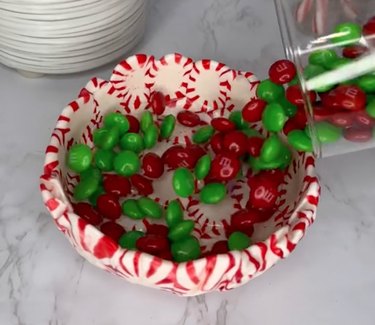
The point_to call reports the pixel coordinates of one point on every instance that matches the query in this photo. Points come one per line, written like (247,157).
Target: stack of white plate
(65,36)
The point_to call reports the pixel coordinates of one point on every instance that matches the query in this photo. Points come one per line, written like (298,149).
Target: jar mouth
(293,53)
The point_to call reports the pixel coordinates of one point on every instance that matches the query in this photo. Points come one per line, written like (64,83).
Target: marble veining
(329,279)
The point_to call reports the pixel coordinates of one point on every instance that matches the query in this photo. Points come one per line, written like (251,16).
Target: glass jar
(332,43)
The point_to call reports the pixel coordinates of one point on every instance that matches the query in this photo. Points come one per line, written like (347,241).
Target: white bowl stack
(66,36)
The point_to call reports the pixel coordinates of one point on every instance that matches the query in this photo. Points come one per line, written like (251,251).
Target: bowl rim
(291,231)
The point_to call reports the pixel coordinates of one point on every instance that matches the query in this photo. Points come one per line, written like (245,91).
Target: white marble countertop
(329,278)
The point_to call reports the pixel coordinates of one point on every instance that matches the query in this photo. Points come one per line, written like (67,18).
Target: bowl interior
(212,221)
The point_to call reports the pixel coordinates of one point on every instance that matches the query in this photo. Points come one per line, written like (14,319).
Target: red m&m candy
(254,146)
(134,125)
(243,220)
(341,119)
(282,72)
(225,166)
(87,212)
(188,118)
(351,98)
(355,134)
(263,194)
(112,229)
(253,110)
(216,142)
(152,244)
(116,184)
(220,247)
(109,206)
(177,156)
(142,184)
(235,142)
(222,124)
(152,165)
(157,103)
(294,95)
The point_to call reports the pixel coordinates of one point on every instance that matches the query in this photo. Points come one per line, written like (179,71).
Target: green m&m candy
(85,188)
(370,108)
(237,119)
(274,117)
(285,158)
(327,133)
(126,163)
(94,197)
(312,71)
(132,142)
(271,149)
(269,91)
(167,126)
(91,172)
(174,213)
(323,58)
(131,209)
(117,120)
(79,158)
(203,134)
(186,249)
(203,166)
(183,182)
(213,193)
(238,241)
(104,159)
(290,110)
(150,208)
(181,230)
(151,136)
(106,138)
(300,141)
(367,83)
(146,120)
(129,239)
(347,33)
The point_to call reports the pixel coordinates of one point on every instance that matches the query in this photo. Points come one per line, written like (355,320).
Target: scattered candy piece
(186,249)
(131,209)
(132,142)
(126,163)
(299,140)
(142,184)
(150,208)
(183,182)
(167,126)
(238,241)
(88,213)
(79,158)
(213,193)
(112,230)
(173,213)
(109,206)
(188,118)
(203,134)
(152,165)
(203,166)
(129,239)
(282,72)
(117,120)
(269,91)
(181,230)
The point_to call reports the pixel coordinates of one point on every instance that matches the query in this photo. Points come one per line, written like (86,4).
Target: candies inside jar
(335,62)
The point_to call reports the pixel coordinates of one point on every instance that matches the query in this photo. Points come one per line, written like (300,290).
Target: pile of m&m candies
(116,176)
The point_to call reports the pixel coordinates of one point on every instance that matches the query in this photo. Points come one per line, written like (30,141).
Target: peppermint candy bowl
(210,89)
